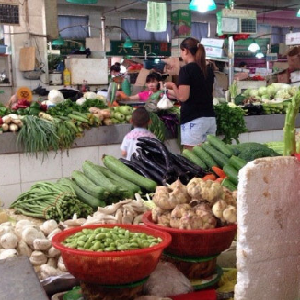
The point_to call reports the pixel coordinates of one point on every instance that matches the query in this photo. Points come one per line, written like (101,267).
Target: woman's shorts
(195,132)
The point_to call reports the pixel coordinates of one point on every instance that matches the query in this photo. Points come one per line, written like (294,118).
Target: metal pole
(231,59)
(268,62)
(103,38)
(231,51)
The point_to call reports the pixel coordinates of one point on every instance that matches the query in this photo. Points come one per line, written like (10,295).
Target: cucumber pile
(100,186)
(215,153)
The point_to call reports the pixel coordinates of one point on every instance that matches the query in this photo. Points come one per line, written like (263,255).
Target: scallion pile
(38,135)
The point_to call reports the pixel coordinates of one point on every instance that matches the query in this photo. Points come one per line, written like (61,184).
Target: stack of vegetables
(26,238)
(199,205)
(154,161)
(121,114)
(99,186)
(48,200)
(93,187)
(10,122)
(273,98)
(224,161)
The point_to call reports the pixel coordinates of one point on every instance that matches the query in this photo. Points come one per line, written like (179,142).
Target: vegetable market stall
(21,170)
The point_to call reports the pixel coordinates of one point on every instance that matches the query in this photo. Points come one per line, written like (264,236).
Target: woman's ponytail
(200,58)
(197,50)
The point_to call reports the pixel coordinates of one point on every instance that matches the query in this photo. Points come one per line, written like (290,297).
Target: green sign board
(241,47)
(139,48)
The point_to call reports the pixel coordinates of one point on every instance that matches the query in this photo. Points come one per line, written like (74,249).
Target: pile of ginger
(199,205)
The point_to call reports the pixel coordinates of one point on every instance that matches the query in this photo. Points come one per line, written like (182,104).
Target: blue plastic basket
(3,49)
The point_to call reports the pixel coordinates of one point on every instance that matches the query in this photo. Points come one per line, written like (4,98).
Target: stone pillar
(268,239)
(180,24)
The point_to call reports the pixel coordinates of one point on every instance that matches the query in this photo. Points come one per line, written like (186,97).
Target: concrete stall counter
(20,170)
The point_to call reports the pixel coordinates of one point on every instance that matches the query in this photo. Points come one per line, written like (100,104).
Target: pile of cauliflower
(199,205)
(27,239)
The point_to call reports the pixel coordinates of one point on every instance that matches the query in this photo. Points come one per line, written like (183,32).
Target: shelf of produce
(104,135)
(113,134)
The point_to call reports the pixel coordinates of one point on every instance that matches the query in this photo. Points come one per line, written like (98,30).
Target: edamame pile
(110,239)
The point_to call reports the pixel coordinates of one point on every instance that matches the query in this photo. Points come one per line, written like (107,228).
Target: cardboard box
(181,23)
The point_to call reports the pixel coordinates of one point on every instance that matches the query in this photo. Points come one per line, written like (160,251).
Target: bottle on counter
(66,77)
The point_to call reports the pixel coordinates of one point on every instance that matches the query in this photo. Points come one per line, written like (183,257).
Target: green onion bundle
(48,200)
(38,135)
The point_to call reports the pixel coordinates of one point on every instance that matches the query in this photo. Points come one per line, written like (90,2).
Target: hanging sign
(139,48)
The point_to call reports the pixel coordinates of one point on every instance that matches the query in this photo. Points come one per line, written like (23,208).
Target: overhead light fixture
(298,13)
(259,55)
(59,42)
(253,47)
(128,43)
(83,1)
(203,5)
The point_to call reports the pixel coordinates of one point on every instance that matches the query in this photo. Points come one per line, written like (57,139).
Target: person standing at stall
(195,92)
(115,70)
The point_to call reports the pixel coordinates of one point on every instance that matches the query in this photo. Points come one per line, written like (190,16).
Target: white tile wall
(109,149)
(74,159)
(35,169)
(10,169)
(9,193)
(261,136)
(277,135)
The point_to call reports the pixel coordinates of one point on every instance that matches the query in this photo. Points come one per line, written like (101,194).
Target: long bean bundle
(49,200)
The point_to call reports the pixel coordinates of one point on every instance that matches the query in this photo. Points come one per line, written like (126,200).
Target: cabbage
(282,94)
(266,96)
(253,93)
(55,97)
(90,95)
(246,93)
(293,90)
(262,90)
(285,87)
(271,90)
(277,86)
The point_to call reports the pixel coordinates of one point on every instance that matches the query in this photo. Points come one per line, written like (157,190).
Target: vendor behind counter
(293,59)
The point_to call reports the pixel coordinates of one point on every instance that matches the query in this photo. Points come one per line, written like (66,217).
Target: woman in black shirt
(195,92)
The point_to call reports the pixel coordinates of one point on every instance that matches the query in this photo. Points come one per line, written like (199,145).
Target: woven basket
(32,75)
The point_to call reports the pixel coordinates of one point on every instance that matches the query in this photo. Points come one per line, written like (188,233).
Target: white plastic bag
(166,281)
(164,102)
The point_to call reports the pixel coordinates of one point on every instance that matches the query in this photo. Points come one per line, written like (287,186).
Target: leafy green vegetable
(38,135)
(3,111)
(230,122)
(68,107)
(250,151)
